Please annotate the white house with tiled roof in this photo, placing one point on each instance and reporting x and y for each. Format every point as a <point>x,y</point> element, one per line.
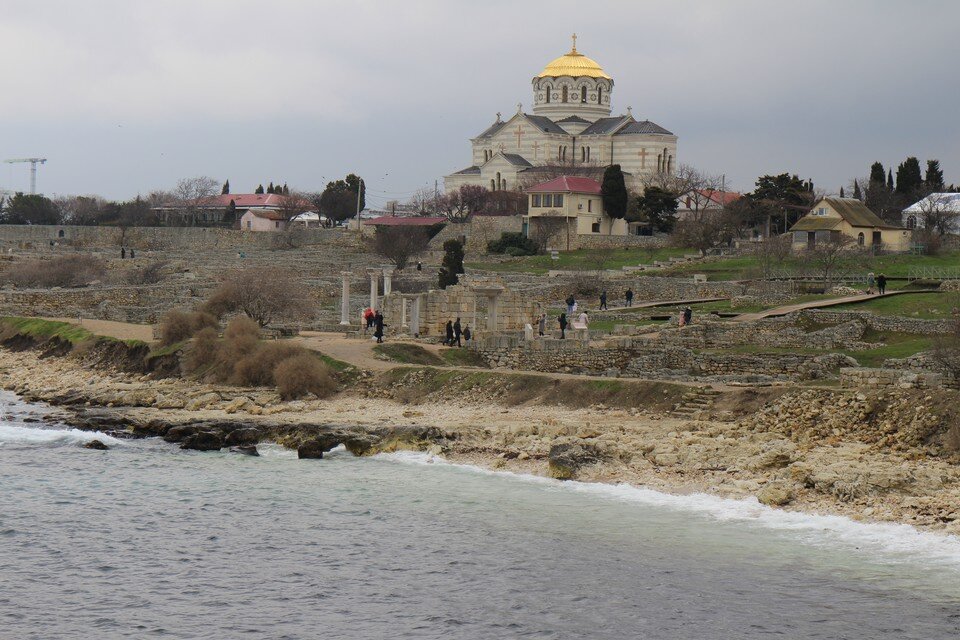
<point>570,125</point>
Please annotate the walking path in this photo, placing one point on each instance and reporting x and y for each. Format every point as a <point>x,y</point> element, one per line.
<point>819,304</point>
<point>664,303</point>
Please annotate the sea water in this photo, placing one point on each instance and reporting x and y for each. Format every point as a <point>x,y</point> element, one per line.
<point>148,541</point>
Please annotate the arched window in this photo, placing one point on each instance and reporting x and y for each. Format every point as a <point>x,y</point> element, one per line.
<point>599,95</point>
<point>563,93</point>
<point>503,185</point>
<point>560,153</point>
<point>564,153</point>
<point>583,154</point>
<point>860,239</point>
<point>669,164</point>
<point>493,185</point>
<point>498,181</point>
<point>588,154</point>
<point>583,94</point>
<point>548,93</point>
<point>60,233</point>
<point>911,222</point>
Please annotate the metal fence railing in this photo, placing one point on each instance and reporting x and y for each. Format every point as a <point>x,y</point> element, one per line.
<point>933,273</point>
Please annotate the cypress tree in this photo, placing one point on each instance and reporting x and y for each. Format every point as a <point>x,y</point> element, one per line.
<point>877,174</point>
<point>890,179</point>
<point>934,179</point>
<point>452,263</point>
<point>613,190</point>
<point>270,188</point>
<point>856,191</point>
<point>286,189</point>
<point>226,188</point>
<point>259,189</point>
<point>841,192</point>
<point>909,179</point>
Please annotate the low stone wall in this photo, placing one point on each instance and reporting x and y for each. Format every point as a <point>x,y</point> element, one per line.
<point>782,332</point>
<point>25,237</point>
<point>860,377</point>
<point>896,324</point>
<point>669,362</point>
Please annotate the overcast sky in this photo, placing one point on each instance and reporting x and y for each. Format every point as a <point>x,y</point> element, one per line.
<point>128,96</point>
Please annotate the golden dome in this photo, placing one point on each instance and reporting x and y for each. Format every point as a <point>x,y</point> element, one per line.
<point>573,64</point>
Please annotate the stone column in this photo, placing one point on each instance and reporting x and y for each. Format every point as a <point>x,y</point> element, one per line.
<point>345,299</point>
<point>374,286</point>
<point>403,311</point>
<point>493,300</point>
<point>387,280</point>
<point>415,315</point>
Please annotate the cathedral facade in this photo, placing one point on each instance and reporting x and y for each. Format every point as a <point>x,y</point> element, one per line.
<point>570,126</point>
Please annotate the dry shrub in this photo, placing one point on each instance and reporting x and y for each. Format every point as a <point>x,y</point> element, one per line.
<point>65,271</point>
<point>204,353</point>
<point>302,374</point>
<point>177,326</point>
<point>256,369</point>
<point>151,273</point>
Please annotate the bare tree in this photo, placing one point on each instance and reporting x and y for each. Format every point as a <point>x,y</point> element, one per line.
<point>426,201</point>
<point>399,244</point>
<point>938,215</point>
<point>264,294</point>
<point>550,229</point>
<point>834,259</point>
<point>458,205</point>
<point>709,229</point>
<point>771,253</point>
<point>191,193</point>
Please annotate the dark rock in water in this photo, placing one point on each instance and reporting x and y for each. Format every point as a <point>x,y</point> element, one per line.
<point>181,432</point>
<point>317,446</point>
<point>96,444</point>
<point>202,441</point>
<point>360,444</point>
<point>246,449</point>
<point>566,459</point>
<point>244,436</point>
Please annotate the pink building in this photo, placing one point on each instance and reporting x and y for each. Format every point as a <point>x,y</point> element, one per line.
<point>262,220</point>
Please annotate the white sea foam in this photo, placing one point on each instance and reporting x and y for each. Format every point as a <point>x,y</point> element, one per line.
<point>896,542</point>
<point>17,435</point>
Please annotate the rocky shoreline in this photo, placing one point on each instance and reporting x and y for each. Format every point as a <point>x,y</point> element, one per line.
<point>869,457</point>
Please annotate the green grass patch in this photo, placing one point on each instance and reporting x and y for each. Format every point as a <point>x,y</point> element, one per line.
<point>46,329</point>
<point>895,345</point>
<point>920,305</point>
<point>170,349</point>
<point>463,358</point>
<point>582,259</point>
<point>407,353</point>
<point>337,365</point>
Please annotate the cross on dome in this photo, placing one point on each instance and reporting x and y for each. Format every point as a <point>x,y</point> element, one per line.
<point>574,49</point>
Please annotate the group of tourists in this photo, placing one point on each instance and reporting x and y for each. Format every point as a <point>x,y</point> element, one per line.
<point>374,320</point>
<point>627,297</point>
<point>123,253</point>
<point>454,332</point>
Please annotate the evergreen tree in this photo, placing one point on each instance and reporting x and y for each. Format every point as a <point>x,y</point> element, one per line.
<point>270,188</point>
<point>890,179</point>
<point>356,184</point>
<point>613,190</point>
<point>452,263</point>
<point>877,174</point>
<point>841,192</point>
<point>232,211</point>
<point>226,188</point>
<point>656,207</point>
<point>934,179</point>
<point>909,179</point>
<point>856,190</point>
<point>286,190</point>
<point>259,189</point>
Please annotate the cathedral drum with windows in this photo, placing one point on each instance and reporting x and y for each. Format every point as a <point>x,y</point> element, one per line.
<point>570,126</point>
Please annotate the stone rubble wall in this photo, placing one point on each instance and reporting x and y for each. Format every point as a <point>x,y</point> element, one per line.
<point>896,324</point>
<point>860,377</point>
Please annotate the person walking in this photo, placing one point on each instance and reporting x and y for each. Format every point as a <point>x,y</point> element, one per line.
<point>603,301</point>
<point>629,297</point>
<point>467,334</point>
<point>448,335</point>
<point>133,254</point>
<point>571,302</point>
<point>457,332</point>
<point>123,252</point>
<point>369,316</point>
<point>882,284</point>
<point>871,280</point>
<point>687,315</point>
<point>563,325</point>
<point>542,324</point>
<point>378,323</point>
<point>419,266</point>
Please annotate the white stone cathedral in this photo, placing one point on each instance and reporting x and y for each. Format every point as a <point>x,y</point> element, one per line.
<point>570,125</point>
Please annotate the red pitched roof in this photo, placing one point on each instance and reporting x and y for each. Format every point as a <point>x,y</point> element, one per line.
<point>723,198</point>
<point>245,201</point>
<point>269,214</point>
<point>572,184</point>
<point>396,221</point>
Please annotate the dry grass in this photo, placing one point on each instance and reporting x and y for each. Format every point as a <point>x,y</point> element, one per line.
<point>64,271</point>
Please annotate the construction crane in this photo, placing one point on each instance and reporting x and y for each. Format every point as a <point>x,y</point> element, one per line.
<point>33,170</point>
